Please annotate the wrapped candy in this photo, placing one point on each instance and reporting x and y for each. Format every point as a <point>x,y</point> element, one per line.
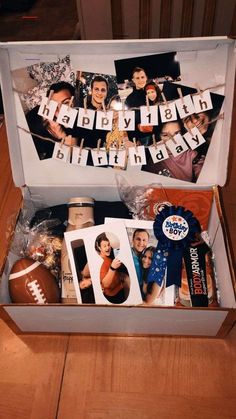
<point>44,246</point>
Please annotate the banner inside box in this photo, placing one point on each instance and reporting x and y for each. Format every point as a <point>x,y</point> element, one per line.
<point>143,116</point>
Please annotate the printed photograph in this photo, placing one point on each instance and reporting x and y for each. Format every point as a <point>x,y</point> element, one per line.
<point>45,86</point>
<point>133,74</point>
<point>105,263</point>
<point>184,159</point>
<point>95,92</point>
<point>140,78</point>
<point>96,88</point>
<point>35,82</point>
<point>143,244</point>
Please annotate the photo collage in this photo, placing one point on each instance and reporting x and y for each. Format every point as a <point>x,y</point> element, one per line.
<point>142,116</point>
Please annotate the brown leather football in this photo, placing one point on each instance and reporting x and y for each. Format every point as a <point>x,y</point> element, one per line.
<point>31,282</point>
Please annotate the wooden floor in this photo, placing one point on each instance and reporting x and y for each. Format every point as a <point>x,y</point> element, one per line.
<point>95,377</point>
<point>46,20</point>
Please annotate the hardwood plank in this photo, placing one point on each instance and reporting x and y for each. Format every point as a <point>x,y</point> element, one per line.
<point>177,7</point>
<point>166,18</point>
<point>107,377</point>
<point>130,26</point>
<point>117,19</point>
<point>95,24</point>
<point>224,21</point>
<point>208,17</point>
<point>198,13</point>
<point>144,19</point>
<point>187,17</point>
<point>151,406</point>
<point>155,18</point>
<point>232,31</point>
<point>31,373</point>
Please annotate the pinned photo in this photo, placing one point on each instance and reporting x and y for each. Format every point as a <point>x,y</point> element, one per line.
<point>140,81</point>
<point>53,120</point>
<point>133,74</point>
<point>38,84</point>
<point>182,142</point>
<point>93,95</point>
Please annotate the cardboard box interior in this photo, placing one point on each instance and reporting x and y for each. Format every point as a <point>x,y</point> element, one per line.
<point>216,59</point>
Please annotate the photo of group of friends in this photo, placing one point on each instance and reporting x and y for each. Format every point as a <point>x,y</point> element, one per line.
<point>142,81</point>
<point>110,264</point>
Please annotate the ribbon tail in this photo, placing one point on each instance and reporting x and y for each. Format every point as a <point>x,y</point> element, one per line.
<point>158,267</point>
<point>174,267</point>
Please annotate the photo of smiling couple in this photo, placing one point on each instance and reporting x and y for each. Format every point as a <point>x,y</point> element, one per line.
<point>118,256</point>
<point>143,245</point>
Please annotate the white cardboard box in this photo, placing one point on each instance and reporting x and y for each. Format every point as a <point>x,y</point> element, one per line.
<point>51,182</point>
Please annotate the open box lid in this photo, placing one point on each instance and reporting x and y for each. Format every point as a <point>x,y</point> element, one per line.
<point>207,62</point>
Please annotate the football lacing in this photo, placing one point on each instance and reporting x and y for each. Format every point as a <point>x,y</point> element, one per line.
<point>37,292</point>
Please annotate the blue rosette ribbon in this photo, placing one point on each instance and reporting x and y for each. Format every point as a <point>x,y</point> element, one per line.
<point>175,229</point>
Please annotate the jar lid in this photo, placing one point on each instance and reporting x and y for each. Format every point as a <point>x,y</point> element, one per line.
<point>81,202</point>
